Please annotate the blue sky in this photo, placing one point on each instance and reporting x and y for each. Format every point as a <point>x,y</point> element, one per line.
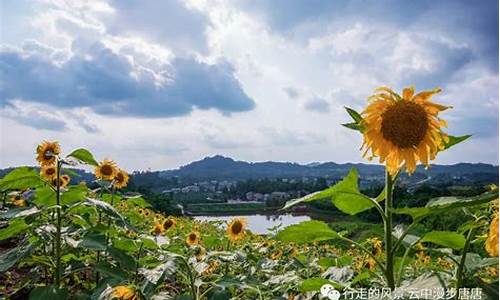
<point>157,84</point>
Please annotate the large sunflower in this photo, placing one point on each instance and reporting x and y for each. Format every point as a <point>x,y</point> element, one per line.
<point>402,130</point>
<point>106,170</point>
<point>121,179</point>
<point>46,153</point>
<point>48,172</point>
<point>236,229</point>
<point>193,238</point>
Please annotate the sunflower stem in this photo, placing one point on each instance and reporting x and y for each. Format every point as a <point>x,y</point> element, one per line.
<point>98,256</point>
<point>389,267</point>
<point>460,270</point>
<point>58,225</point>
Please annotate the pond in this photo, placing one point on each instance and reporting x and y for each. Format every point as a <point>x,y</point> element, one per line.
<point>259,223</point>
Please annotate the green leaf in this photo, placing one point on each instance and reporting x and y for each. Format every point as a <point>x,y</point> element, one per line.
<point>354,126</point>
<point>20,178</point>
<point>126,261</point>
<point>307,231</point>
<point>70,172</point>
<point>448,239</point>
<point>155,277</point>
<point>347,197</point>
<point>84,155</point>
<point>111,271</point>
<point>9,258</point>
<point>49,292</point>
<point>474,262</point>
<point>315,284</point>
<point>110,211</point>
<point>358,119</point>
<point>93,241</point>
<point>45,196</point>
<point>442,204</point>
<point>354,114</point>
<point>125,244</point>
<point>15,227</point>
<point>455,140</point>
<point>220,294</point>
<point>19,212</point>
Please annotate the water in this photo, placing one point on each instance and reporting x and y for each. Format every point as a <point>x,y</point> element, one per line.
<point>258,223</point>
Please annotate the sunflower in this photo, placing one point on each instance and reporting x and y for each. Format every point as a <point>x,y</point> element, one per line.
<point>422,259</point>
<point>370,263</point>
<point>236,229</point>
<point>124,293</point>
<point>63,181</point>
<point>19,202</point>
<point>491,244</point>
<point>212,266</point>
<point>444,263</point>
<point>193,238</point>
<point>121,179</point>
<point>106,170</point>
<point>48,172</point>
<point>47,152</point>
<point>169,223</point>
<point>376,245</point>
<point>158,228</point>
<point>402,130</point>
<point>276,255</point>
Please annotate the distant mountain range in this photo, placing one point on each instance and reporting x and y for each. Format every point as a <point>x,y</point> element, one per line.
<point>225,168</point>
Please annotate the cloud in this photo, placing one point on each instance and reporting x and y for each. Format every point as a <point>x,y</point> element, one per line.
<point>109,83</point>
<point>317,104</point>
<point>172,23</point>
<point>32,117</point>
<point>291,92</point>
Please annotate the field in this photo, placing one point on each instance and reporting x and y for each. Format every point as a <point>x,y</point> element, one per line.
<point>94,241</point>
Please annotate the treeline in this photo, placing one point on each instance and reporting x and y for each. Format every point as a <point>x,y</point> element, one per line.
<point>267,186</point>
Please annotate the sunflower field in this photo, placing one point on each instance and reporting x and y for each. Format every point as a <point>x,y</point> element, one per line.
<point>60,240</point>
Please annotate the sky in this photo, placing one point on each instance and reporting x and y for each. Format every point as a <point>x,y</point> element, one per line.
<point>157,84</point>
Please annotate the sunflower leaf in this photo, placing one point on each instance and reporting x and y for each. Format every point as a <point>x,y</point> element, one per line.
<point>354,114</point>
<point>448,239</point>
<point>356,125</point>
<point>442,204</point>
<point>20,178</point>
<point>454,140</point>
<point>306,232</point>
<point>84,155</point>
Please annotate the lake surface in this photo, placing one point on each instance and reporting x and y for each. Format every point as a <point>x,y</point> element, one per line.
<point>259,223</point>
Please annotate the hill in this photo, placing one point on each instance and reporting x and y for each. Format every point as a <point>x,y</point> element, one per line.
<point>224,168</point>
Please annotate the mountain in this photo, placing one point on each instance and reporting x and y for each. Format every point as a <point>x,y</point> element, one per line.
<point>224,168</point>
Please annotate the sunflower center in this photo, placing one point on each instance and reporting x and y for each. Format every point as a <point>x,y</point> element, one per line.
<point>47,154</point>
<point>192,237</point>
<point>119,177</point>
<point>50,171</point>
<point>168,224</point>
<point>404,124</point>
<point>107,170</point>
<point>237,227</point>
